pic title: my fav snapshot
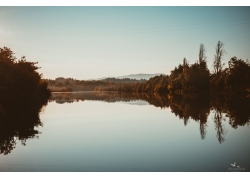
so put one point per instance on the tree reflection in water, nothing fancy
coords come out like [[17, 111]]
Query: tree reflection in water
[[187, 107], [218, 118], [19, 116]]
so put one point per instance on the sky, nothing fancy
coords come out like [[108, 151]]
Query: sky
[[95, 42]]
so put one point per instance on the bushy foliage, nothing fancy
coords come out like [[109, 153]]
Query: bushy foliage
[[20, 77], [22, 95]]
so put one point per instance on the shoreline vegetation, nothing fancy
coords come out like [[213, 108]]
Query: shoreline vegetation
[[69, 84], [20, 77], [23, 94], [196, 78], [185, 78]]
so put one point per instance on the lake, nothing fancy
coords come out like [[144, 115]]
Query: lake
[[99, 132]]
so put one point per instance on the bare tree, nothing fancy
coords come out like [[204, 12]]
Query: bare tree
[[221, 132], [219, 53]]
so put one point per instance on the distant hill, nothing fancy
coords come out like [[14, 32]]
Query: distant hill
[[138, 76], [123, 80]]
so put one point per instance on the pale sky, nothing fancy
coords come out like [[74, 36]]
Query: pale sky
[[95, 42]]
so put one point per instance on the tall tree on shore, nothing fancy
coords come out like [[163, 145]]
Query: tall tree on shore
[[202, 51], [203, 58], [219, 53]]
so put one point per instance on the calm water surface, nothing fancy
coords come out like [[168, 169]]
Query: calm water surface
[[86, 132]]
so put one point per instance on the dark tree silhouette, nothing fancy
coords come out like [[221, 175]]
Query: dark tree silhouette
[[219, 53], [218, 118], [23, 94], [237, 75], [202, 56]]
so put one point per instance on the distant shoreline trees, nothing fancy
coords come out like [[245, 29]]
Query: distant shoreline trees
[[69, 84], [195, 78]]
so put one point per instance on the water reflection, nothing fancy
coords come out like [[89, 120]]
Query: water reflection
[[19, 116], [196, 107]]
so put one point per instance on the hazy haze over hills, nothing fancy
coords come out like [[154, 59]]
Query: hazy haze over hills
[[133, 76], [139, 76]]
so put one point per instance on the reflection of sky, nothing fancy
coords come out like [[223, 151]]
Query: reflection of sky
[[96, 136], [94, 42]]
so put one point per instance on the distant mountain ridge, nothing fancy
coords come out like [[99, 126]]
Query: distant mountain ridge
[[132, 76], [139, 76]]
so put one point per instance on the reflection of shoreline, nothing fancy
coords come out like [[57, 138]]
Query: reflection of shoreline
[[19, 119], [74, 92], [70, 97], [196, 107]]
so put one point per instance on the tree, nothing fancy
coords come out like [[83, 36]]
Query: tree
[[7, 56], [196, 76], [238, 75], [185, 64], [202, 56], [219, 53]]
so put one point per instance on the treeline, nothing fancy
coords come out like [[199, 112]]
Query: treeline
[[70, 84], [154, 84], [195, 77]]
